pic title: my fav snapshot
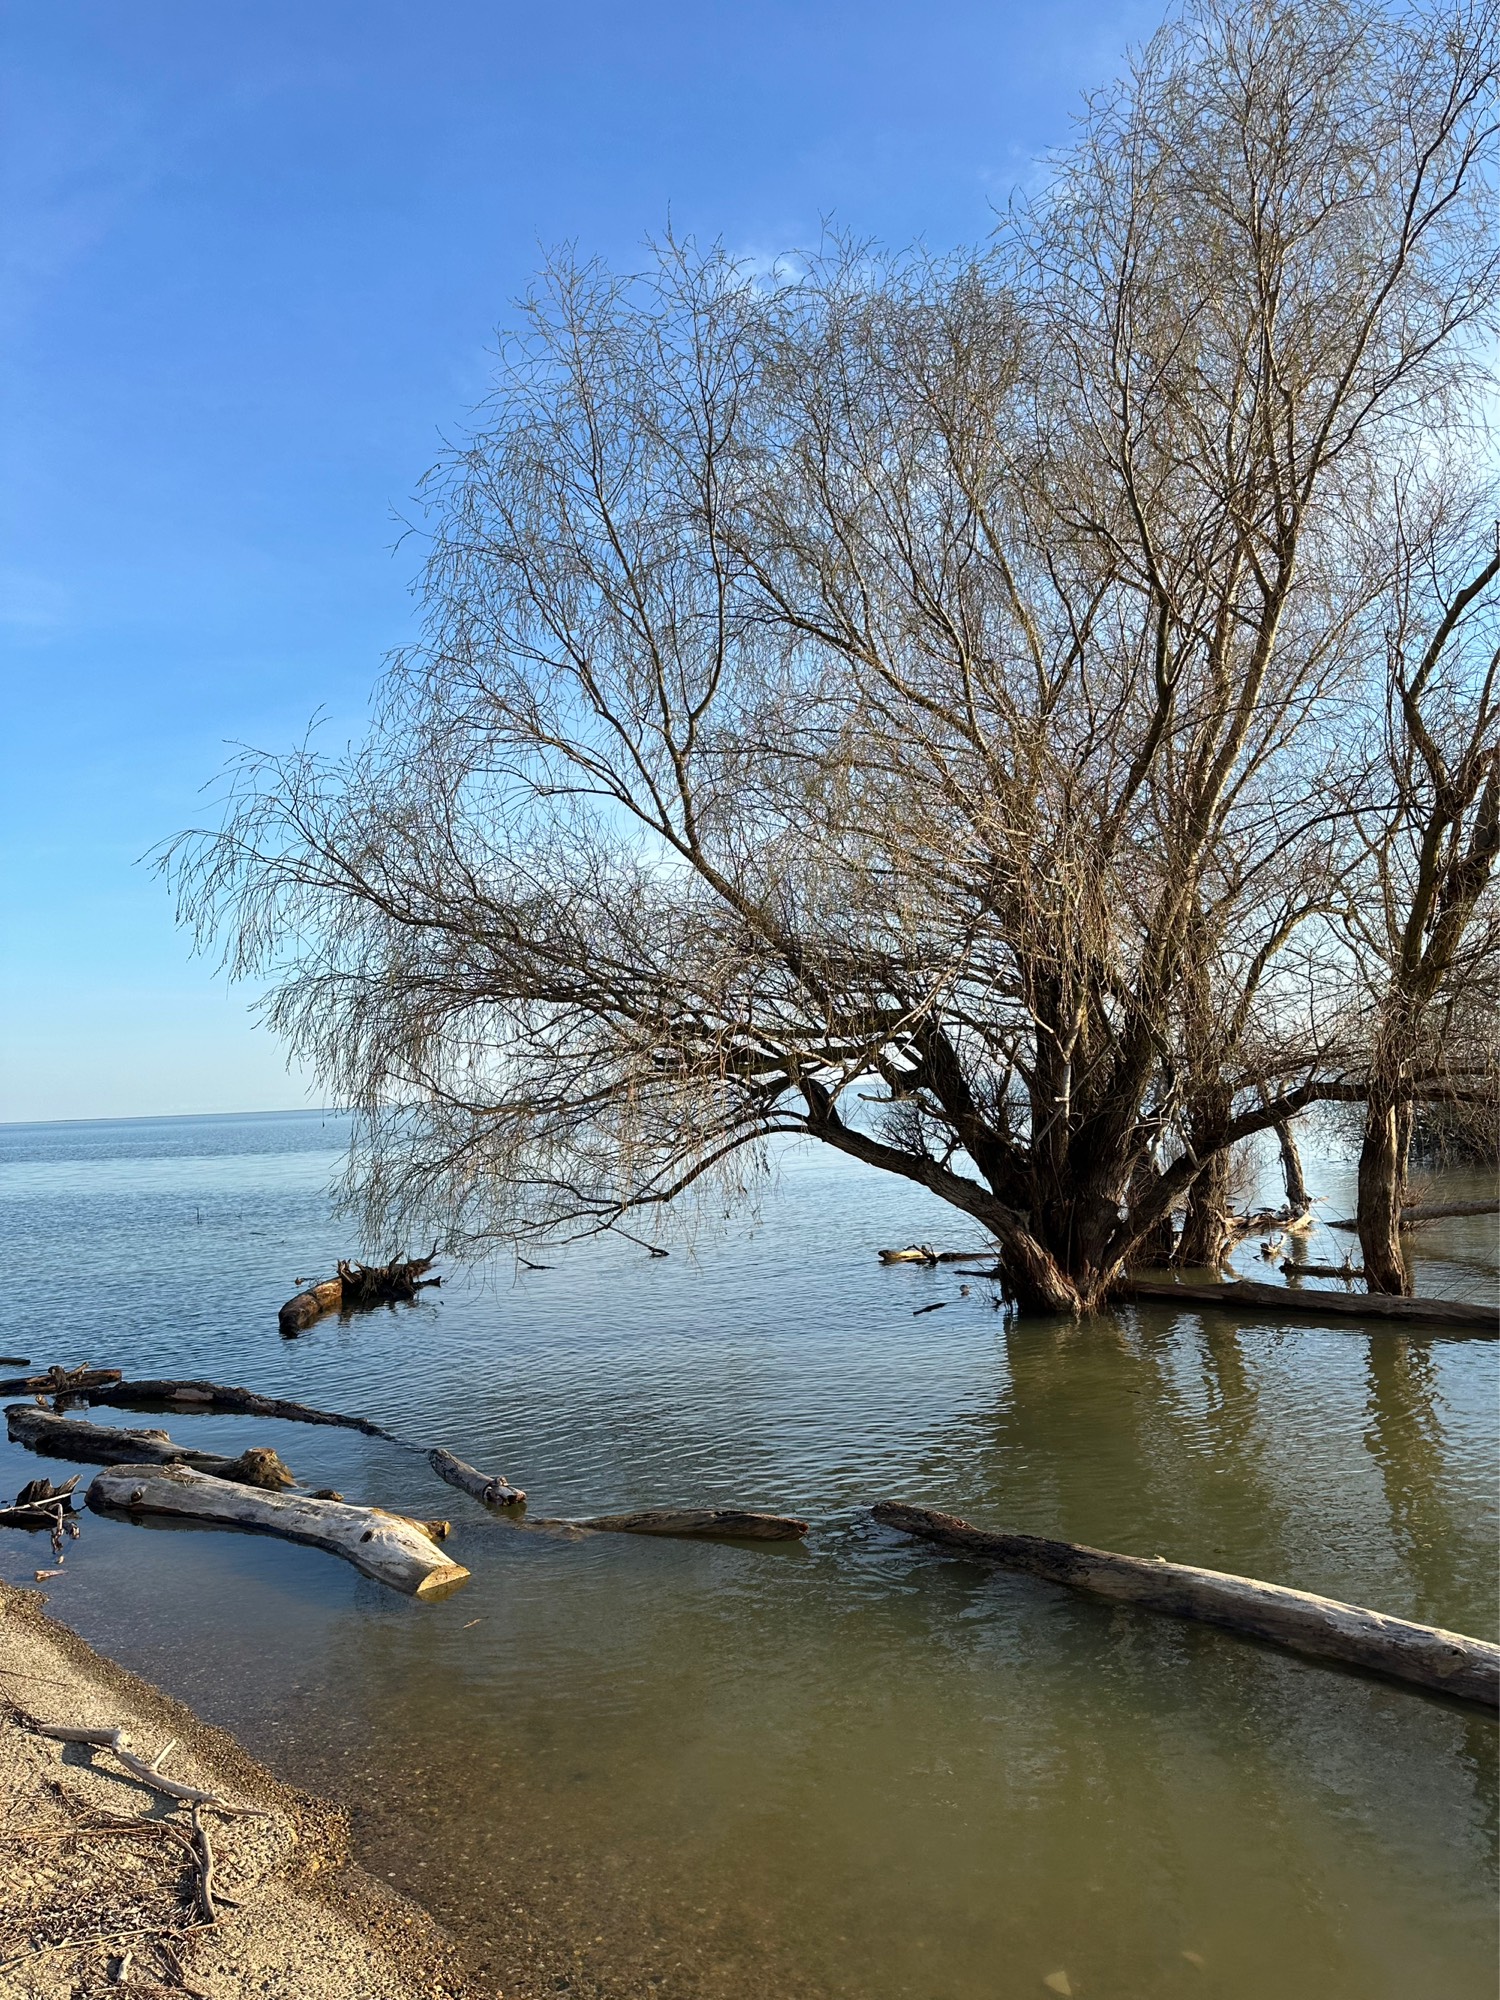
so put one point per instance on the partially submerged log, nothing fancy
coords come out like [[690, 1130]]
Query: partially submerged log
[[394, 1550], [1430, 1211], [1237, 1295], [215, 1396], [306, 1306], [721, 1523], [106, 1444], [358, 1287], [923, 1253], [60, 1382], [494, 1489], [1424, 1655]]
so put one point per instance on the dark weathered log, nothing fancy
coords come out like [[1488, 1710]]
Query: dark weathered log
[[723, 1523], [60, 1382], [492, 1488], [215, 1396], [1430, 1211], [1235, 1297], [1425, 1655], [105, 1444], [389, 1547], [306, 1306]]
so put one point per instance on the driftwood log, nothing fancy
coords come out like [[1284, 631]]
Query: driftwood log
[[389, 1547], [722, 1523], [104, 1444], [306, 1306], [1430, 1211], [1424, 1655], [215, 1396], [923, 1253], [357, 1288], [60, 1382], [494, 1489], [1235, 1296]]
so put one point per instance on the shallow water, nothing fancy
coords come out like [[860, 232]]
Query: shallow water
[[857, 1767]]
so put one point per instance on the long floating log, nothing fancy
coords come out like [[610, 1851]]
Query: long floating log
[[1236, 1295], [394, 1550], [1424, 1655], [494, 1489], [215, 1396], [1430, 1211], [356, 1288], [725, 1523]]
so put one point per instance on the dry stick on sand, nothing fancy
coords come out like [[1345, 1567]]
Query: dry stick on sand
[[1425, 1655], [389, 1547], [117, 1743]]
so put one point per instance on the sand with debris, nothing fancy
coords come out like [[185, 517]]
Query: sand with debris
[[99, 1896]]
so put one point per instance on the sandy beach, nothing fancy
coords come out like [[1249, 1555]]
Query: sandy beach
[[98, 1896]]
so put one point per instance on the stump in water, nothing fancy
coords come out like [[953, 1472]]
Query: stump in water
[[358, 1288]]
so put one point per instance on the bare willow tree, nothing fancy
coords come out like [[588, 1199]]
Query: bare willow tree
[[1425, 913], [905, 679]]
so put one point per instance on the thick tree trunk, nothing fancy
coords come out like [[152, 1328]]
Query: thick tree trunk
[[1382, 1180], [1205, 1232]]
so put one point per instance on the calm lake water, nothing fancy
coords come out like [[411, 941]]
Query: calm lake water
[[854, 1767]]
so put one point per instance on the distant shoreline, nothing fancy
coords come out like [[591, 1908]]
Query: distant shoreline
[[172, 1118]]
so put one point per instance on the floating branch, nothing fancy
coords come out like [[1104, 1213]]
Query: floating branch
[[1424, 1655], [492, 1488], [394, 1550], [214, 1396]]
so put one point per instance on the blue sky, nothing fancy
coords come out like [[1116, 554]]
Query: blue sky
[[252, 257]]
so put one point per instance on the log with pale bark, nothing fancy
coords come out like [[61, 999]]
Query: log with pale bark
[[1236, 1296], [396, 1551], [1426, 1656], [717, 1523], [923, 1253], [493, 1488]]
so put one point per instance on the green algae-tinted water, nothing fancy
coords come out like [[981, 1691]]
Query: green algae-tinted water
[[853, 1767]]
